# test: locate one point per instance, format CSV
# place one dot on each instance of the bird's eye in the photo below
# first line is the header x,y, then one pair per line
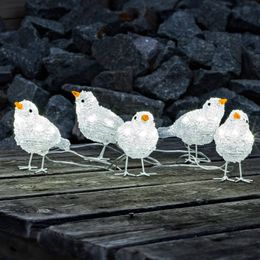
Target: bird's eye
x,y
246,121
209,104
30,110
135,117
82,100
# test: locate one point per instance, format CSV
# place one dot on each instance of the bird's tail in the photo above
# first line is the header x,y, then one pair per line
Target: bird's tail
x,y
165,132
64,144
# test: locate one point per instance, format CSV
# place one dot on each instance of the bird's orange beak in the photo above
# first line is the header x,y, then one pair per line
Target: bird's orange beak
x,y
236,115
18,105
75,93
222,101
145,117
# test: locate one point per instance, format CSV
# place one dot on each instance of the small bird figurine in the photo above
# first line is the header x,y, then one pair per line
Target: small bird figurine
x,y
96,123
138,139
234,142
35,134
197,127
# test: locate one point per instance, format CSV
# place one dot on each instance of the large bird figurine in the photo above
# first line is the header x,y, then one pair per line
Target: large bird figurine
x,y
35,134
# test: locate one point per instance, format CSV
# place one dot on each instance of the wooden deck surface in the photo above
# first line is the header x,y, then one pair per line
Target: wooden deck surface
x,y
78,213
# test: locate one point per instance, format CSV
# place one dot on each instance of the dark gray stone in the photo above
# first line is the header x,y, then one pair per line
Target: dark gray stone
x,y
207,80
245,17
6,74
124,104
244,85
22,88
61,112
25,50
180,26
149,47
50,9
159,7
66,67
84,15
121,80
8,144
64,44
166,52
251,64
227,57
248,88
185,104
199,51
168,82
3,132
84,35
141,21
45,27
213,15
8,121
118,53
3,101
251,42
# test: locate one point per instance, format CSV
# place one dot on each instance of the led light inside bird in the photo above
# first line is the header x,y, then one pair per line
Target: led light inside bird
x,y
138,139
96,123
35,134
234,142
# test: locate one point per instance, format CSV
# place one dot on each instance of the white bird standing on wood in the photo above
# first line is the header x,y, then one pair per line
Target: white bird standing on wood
x,y
138,139
197,127
96,123
234,142
35,133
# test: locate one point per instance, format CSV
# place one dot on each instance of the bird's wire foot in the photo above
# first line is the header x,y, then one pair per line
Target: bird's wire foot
x,y
42,170
238,179
224,178
29,168
125,173
145,174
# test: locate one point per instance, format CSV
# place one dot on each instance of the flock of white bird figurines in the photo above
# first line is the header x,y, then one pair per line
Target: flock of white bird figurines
x,y
138,138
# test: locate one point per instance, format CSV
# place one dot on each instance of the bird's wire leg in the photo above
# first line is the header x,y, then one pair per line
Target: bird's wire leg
x,y
144,173
42,169
225,177
101,155
241,178
125,173
29,167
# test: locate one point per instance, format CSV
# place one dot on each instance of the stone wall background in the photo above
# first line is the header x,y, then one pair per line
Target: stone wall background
x,y
165,56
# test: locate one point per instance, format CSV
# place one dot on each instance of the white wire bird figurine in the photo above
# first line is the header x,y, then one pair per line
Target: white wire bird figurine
x,y
197,127
35,134
234,142
96,123
138,139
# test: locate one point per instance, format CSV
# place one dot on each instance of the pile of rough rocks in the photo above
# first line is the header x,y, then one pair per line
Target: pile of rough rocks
x,y
164,56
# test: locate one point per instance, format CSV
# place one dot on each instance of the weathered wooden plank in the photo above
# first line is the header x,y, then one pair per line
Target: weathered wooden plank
x,y
25,217
16,248
73,180
240,245
101,238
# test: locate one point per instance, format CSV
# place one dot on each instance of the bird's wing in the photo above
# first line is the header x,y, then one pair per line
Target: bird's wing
x,y
108,119
190,119
46,131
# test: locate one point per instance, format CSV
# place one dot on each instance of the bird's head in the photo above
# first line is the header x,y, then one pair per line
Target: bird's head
x,y
144,118
238,117
85,99
215,107
26,109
